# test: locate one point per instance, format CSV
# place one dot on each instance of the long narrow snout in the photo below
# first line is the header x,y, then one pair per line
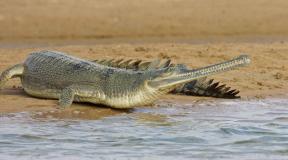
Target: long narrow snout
x,y
189,75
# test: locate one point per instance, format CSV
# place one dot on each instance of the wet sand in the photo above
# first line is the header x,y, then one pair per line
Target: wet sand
x,y
266,76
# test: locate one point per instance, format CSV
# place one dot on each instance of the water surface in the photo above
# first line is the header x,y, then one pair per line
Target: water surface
x,y
220,129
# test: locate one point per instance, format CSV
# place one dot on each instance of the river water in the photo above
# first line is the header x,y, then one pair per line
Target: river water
x,y
218,129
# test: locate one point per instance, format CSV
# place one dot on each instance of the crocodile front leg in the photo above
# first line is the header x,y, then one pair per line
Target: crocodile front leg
x,y
68,95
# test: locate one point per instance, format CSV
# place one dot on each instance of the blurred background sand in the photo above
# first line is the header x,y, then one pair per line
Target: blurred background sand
x,y
72,19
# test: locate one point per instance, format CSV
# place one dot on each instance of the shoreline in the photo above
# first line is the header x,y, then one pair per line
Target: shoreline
x,y
41,109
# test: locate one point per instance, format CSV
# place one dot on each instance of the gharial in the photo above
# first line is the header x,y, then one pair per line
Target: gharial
x,y
114,83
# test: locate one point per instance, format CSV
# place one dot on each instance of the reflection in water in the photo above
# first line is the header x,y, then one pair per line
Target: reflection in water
x,y
225,129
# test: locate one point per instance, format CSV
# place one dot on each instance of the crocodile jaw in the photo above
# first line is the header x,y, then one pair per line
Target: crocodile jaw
x,y
173,80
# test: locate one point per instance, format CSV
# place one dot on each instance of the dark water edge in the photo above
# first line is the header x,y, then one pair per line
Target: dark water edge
x,y
220,129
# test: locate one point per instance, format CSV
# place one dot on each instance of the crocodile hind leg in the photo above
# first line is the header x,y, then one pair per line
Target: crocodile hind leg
x,y
12,72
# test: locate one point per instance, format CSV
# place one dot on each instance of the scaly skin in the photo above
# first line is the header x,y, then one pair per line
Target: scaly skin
x,y
48,74
197,87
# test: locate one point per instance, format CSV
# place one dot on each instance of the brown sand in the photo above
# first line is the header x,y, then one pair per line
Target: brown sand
x,y
134,28
266,76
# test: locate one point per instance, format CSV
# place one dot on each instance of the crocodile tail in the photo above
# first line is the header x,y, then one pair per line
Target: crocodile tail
x,y
204,87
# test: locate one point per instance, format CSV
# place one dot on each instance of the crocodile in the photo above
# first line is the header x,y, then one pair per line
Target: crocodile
x,y
56,75
198,87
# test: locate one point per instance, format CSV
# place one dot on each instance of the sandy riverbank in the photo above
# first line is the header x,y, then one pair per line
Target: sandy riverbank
x,y
178,29
266,76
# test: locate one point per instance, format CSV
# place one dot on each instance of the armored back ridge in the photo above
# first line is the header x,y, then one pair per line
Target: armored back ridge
x,y
49,74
